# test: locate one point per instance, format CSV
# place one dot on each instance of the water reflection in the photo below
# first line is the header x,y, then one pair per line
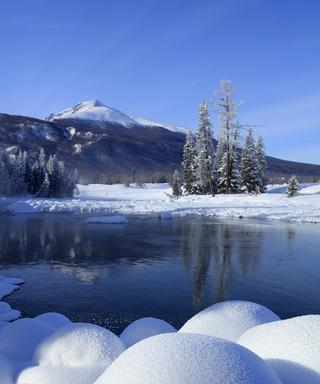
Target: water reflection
x,y
165,269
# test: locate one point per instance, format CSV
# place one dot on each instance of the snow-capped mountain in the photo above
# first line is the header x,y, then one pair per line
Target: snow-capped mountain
x,y
170,127
93,110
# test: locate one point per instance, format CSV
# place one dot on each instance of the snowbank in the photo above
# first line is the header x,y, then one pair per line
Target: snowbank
x,y
155,199
54,319
8,285
18,340
7,313
187,359
228,319
59,375
79,344
144,328
21,207
291,347
107,220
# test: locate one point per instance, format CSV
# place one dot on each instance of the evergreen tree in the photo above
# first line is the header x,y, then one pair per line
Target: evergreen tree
x,y
189,164
53,174
229,183
249,165
18,184
44,190
204,152
292,187
176,186
229,134
261,157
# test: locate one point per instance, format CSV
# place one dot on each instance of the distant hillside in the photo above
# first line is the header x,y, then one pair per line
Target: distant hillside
x,y
108,146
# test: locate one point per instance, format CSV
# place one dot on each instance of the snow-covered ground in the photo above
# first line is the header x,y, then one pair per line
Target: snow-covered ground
x,y
155,199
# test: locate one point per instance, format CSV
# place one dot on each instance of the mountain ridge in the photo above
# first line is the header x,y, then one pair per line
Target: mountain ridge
x,y
114,151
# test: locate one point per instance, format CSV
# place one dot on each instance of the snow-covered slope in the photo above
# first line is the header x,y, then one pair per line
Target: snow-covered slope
x,y
150,123
93,110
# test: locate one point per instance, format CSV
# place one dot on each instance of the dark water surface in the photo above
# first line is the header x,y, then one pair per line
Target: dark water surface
x,y
113,274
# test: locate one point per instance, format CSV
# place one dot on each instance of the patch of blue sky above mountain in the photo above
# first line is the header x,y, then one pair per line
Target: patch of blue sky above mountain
x,y
160,59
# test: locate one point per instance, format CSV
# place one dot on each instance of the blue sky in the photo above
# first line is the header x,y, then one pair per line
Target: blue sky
x,y
159,59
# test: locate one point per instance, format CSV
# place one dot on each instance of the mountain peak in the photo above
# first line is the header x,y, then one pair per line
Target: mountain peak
x,y
93,110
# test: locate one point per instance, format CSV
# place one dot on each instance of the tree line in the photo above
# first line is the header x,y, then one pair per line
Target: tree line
x,y
227,168
45,176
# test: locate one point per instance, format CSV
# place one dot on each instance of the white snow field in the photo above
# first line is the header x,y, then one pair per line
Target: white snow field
x,y
144,328
291,347
187,359
155,199
236,317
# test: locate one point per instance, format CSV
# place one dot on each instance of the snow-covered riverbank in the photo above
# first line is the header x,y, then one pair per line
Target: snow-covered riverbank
x,y
156,199
229,342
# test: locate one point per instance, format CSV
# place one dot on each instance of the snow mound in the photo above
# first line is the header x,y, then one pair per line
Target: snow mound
x,y
59,375
79,344
144,328
187,359
18,340
311,190
21,207
228,319
291,347
6,289
54,319
93,110
7,371
7,313
107,220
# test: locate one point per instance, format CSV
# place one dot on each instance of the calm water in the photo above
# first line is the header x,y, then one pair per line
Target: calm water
x,y
113,274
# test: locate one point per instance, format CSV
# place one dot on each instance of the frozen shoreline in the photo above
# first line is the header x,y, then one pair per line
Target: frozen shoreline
x,y
155,199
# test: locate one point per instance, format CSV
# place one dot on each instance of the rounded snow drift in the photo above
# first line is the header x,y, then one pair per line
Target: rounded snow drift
x,y
7,371
144,328
229,319
54,319
187,359
7,313
79,344
18,340
59,375
291,347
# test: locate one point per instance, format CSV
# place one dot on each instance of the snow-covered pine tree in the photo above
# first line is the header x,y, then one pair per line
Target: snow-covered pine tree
x,y
176,186
261,157
292,187
229,132
204,152
18,185
249,165
188,164
53,174
44,190
4,174
229,183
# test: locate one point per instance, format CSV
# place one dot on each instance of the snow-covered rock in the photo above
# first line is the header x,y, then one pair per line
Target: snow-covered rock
x,y
59,375
19,339
144,328
93,110
187,359
79,344
228,319
21,207
7,313
291,347
54,319
107,220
